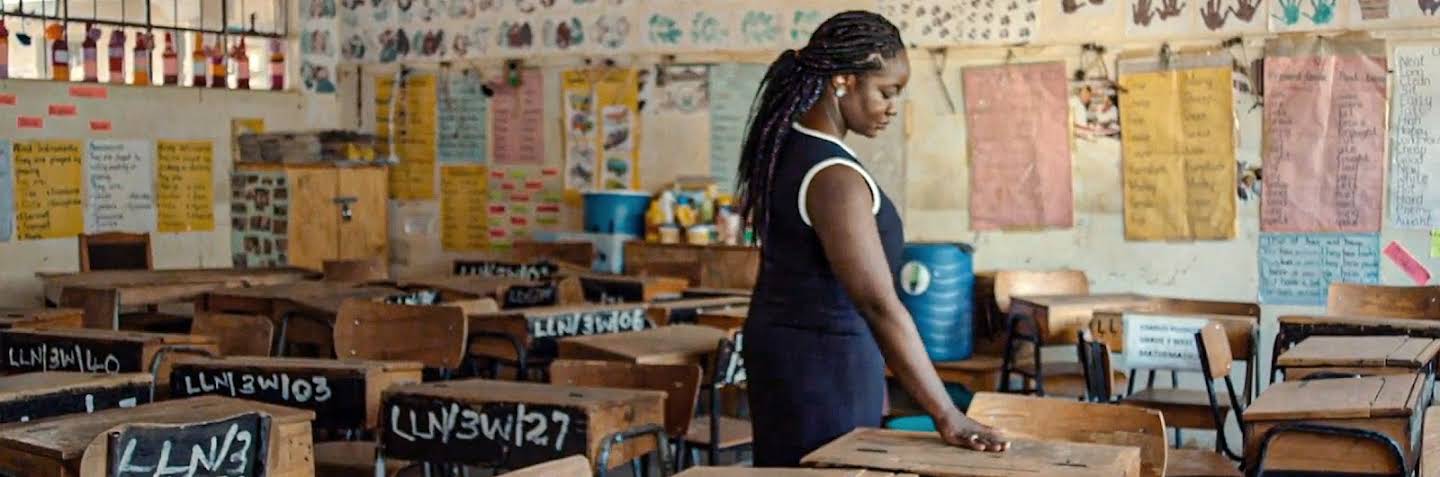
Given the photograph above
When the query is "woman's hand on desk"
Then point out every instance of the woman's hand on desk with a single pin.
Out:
(959, 430)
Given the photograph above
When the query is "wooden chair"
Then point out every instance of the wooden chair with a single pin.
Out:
(573, 466)
(433, 335)
(371, 269)
(681, 384)
(714, 432)
(1071, 421)
(1061, 378)
(1352, 299)
(238, 335)
(115, 251)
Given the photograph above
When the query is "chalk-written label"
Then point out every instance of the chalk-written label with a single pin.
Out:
(338, 399)
(423, 428)
(524, 271)
(73, 402)
(1162, 342)
(234, 447)
(589, 322)
(525, 296)
(27, 352)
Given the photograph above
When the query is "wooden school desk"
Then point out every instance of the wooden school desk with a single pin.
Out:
(522, 334)
(40, 318)
(54, 447)
(344, 394)
(728, 319)
(1055, 319)
(509, 293)
(31, 396)
(677, 344)
(1364, 355)
(95, 351)
(1390, 405)
(516, 424)
(689, 310)
(925, 454)
(155, 287)
(603, 288)
(765, 472)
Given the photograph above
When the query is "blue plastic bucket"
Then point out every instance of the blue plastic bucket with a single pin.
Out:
(937, 285)
(616, 212)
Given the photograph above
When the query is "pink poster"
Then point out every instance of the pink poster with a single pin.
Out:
(1324, 144)
(518, 116)
(1018, 125)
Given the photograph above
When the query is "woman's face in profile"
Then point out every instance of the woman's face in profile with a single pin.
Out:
(871, 99)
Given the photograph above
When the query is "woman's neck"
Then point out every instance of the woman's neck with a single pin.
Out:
(824, 118)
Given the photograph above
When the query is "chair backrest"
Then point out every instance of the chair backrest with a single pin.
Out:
(1072, 421)
(681, 384)
(434, 335)
(237, 335)
(1096, 367)
(1012, 283)
(1353, 299)
(573, 466)
(115, 251)
(1216, 354)
(357, 270)
(1208, 307)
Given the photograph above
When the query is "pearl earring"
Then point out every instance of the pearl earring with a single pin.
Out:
(839, 91)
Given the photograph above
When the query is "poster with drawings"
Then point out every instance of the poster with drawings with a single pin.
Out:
(1366, 14)
(1159, 18)
(682, 88)
(1306, 15)
(319, 45)
(581, 130)
(259, 216)
(1231, 17)
(565, 34)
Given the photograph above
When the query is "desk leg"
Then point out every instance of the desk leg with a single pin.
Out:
(1275, 352)
(1007, 363)
(662, 444)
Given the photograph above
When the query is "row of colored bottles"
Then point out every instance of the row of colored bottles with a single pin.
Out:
(208, 64)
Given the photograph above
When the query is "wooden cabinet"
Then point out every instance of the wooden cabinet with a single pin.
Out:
(303, 214)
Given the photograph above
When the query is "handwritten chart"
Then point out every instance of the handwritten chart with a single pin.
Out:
(48, 189)
(519, 136)
(1297, 269)
(1019, 137)
(120, 186)
(1414, 141)
(184, 190)
(582, 131)
(1324, 144)
(462, 207)
(414, 140)
(733, 88)
(617, 96)
(523, 200)
(7, 196)
(463, 112)
(1178, 154)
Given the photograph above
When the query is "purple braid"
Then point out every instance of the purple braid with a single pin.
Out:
(852, 42)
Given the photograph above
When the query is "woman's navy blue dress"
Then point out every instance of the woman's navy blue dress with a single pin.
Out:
(815, 371)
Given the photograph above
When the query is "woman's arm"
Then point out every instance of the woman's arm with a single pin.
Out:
(839, 203)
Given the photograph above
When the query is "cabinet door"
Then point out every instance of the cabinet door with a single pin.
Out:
(314, 217)
(366, 233)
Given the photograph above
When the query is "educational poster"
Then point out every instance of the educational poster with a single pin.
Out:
(7, 193)
(463, 200)
(48, 184)
(617, 97)
(319, 45)
(259, 219)
(1297, 269)
(413, 145)
(1158, 18)
(240, 127)
(682, 88)
(463, 110)
(119, 186)
(1324, 143)
(1178, 153)
(519, 138)
(1019, 141)
(1415, 138)
(1306, 15)
(523, 200)
(733, 88)
(184, 186)
(581, 130)
(1232, 17)
(1367, 14)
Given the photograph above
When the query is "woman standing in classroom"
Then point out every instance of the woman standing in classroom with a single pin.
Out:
(825, 318)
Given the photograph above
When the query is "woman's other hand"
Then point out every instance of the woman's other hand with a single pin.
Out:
(959, 430)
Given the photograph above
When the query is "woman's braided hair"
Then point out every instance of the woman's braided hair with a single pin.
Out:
(853, 42)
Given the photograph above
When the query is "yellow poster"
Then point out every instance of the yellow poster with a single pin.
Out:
(617, 96)
(581, 132)
(463, 224)
(414, 139)
(1178, 148)
(240, 127)
(184, 186)
(48, 177)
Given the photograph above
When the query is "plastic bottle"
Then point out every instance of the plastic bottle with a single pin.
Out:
(117, 55)
(140, 73)
(277, 65)
(170, 62)
(242, 66)
(219, 76)
(90, 54)
(198, 62)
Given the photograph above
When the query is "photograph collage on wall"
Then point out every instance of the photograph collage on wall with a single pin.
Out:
(259, 219)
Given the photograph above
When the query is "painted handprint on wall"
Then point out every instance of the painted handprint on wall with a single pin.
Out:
(1142, 12)
(564, 34)
(759, 27)
(611, 31)
(1322, 12)
(1213, 15)
(664, 30)
(803, 24)
(707, 29)
(1244, 9)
